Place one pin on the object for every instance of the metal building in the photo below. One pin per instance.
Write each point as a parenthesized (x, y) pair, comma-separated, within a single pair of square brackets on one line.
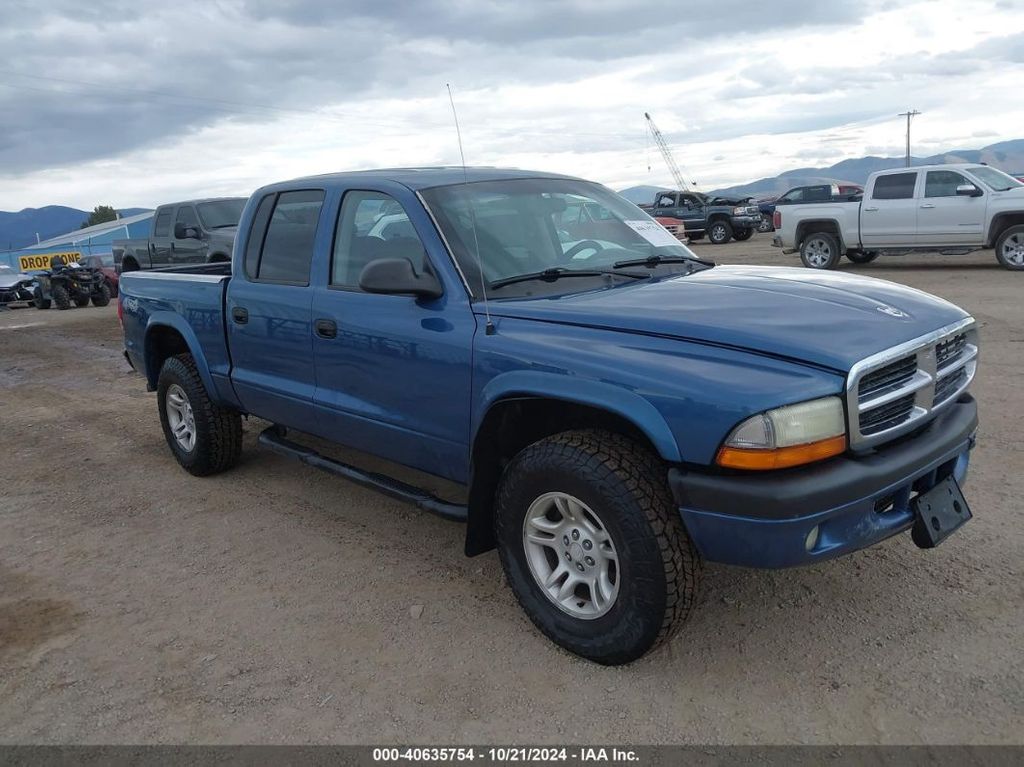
[(91, 241)]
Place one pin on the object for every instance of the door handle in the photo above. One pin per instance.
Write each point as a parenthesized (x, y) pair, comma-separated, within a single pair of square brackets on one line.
[(870, 210), (326, 328), (928, 205), (240, 315)]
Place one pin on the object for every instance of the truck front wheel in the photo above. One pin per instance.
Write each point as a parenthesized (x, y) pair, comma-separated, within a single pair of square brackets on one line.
[(720, 232), (820, 250), (1010, 248), (204, 437), (593, 546)]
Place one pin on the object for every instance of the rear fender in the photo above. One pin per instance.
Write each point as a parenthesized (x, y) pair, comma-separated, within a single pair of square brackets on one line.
[(154, 361)]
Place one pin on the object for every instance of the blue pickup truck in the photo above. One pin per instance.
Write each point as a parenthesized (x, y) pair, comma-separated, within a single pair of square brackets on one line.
[(617, 410)]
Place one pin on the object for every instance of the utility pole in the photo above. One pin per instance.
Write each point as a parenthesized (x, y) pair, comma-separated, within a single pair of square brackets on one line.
[(909, 115)]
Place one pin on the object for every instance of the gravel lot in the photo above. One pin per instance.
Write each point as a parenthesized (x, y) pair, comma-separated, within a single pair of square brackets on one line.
[(277, 604)]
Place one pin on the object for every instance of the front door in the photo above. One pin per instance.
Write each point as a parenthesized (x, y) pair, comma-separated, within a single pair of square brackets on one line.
[(947, 218), (268, 311), (392, 371), (888, 218), (187, 250)]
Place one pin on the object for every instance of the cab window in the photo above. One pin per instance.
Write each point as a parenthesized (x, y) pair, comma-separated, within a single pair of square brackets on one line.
[(895, 186), (943, 183), (372, 225)]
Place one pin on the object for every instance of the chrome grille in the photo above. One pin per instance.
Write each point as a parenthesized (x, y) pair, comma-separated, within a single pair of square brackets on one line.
[(894, 392)]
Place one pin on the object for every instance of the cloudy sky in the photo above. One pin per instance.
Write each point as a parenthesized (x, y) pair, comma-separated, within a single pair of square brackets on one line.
[(136, 102)]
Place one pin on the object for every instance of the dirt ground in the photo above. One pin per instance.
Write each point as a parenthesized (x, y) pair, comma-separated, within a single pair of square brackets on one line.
[(274, 604)]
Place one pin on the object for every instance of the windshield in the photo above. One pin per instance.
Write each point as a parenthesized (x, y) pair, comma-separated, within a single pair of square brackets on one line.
[(527, 226), (994, 179), (221, 213)]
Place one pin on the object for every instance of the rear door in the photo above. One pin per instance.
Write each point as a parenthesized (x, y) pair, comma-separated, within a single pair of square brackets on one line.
[(268, 310), (946, 218), (392, 371), (888, 215), (187, 250), (160, 240)]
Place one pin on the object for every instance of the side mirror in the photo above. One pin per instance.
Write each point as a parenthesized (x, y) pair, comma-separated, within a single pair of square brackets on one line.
[(968, 190), (182, 232), (397, 276)]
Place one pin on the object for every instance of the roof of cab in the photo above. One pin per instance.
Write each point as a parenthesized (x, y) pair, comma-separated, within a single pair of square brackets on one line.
[(422, 178)]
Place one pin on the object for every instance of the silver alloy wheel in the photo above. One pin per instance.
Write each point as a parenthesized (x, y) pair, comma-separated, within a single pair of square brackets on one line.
[(717, 232), (180, 417), (1013, 249), (764, 226), (571, 555), (818, 252)]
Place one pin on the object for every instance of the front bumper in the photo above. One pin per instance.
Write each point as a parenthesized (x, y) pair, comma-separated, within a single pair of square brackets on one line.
[(744, 222), (764, 520)]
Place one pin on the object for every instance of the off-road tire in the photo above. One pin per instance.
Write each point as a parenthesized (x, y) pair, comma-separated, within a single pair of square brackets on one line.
[(861, 258), (81, 301), (740, 235), (719, 232), (820, 250), (1013, 231), (60, 296), (659, 570), (40, 302), (102, 296), (218, 444)]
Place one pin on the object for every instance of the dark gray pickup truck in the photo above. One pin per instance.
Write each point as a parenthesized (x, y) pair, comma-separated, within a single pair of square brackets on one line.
[(190, 232), (720, 218)]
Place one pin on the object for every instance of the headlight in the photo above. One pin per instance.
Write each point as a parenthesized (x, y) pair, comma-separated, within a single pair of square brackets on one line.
[(739, 211), (787, 436)]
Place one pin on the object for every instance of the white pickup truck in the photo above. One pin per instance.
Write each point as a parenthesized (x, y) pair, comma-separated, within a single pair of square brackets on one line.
[(949, 209)]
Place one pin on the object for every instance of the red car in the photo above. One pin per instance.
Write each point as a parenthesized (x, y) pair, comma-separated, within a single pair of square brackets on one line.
[(105, 263)]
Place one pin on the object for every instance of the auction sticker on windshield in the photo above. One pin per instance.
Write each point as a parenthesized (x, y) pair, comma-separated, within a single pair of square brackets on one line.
[(653, 232)]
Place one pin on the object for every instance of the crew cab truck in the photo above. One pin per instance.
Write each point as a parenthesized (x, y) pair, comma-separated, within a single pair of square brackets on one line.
[(617, 410), (720, 218), (191, 232), (950, 209)]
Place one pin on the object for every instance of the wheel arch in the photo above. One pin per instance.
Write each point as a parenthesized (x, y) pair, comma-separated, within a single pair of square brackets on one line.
[(1001, 222), (526, 408), (819, 226), (167, 335)]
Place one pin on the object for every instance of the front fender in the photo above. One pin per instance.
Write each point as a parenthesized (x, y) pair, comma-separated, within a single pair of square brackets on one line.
[(164, 319), (614, 399)]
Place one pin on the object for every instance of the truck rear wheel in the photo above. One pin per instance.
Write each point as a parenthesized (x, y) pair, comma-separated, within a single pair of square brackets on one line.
[(1010, 248), (593, 546), (820, 250), (720, 232), (859, 257), (204, 437)]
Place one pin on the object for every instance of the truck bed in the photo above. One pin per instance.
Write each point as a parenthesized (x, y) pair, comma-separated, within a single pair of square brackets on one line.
[(189, 299)]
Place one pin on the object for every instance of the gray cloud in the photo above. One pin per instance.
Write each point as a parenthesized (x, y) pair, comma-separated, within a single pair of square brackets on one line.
[(86, 81)]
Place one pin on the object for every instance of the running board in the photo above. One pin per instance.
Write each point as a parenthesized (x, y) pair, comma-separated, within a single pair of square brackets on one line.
[(273, 439)]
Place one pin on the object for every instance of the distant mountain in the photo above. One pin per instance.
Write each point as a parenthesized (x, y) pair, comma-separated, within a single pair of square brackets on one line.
[(641, 194), (18, 230), (1006, 155)]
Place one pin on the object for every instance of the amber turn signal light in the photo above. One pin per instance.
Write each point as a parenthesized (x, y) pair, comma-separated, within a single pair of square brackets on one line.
[(780, 457)]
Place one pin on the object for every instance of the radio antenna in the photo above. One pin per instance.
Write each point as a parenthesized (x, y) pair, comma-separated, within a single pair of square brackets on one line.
[(489, 327)]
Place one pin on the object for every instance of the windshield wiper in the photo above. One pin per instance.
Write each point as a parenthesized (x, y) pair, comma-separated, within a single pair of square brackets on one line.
[(556, 272), (652, 261)]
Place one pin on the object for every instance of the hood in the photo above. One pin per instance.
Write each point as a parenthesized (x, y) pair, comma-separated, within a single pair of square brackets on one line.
[(10, 279), (823, 318)]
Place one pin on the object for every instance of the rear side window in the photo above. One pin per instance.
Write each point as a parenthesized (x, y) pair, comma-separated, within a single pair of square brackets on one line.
[(285, 242), (163, 223), (896, 186)]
